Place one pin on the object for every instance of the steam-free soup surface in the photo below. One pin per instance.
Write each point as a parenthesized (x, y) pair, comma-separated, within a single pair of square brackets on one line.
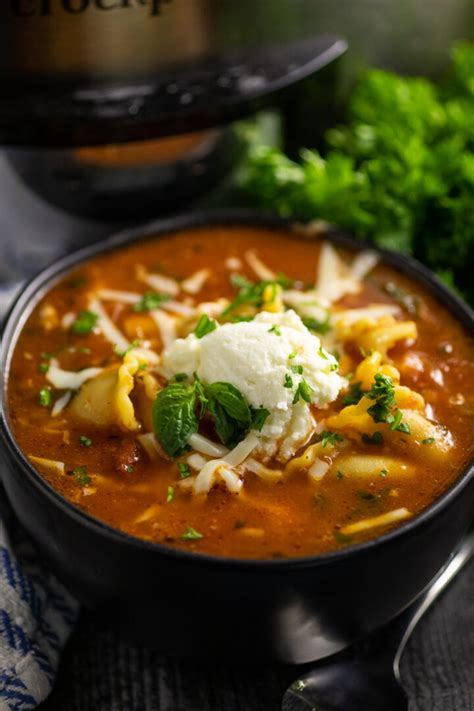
[(347, 475)]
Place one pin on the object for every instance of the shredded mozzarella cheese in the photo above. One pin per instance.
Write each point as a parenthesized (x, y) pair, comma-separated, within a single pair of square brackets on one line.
[(107, 327), (61, 403), (194, 283), (263, 272), (166, 326), (158, 282), (68, 379)]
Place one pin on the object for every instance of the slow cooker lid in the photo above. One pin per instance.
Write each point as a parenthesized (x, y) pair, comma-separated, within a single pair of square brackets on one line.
[(214, 89)]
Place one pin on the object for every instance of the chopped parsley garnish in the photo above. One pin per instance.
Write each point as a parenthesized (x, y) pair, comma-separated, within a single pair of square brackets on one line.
[(288, 381), (428, 440), (250, 293), (375, 438), (47, 356), (242, 319), (169, 494), (321, 327), (184, 470), (179, 378), (383, 473), (191, 534), (303, 391), (43, 367), (151, 300), (259, 417), (292, 355), (85, 322), (384, 408), (354, 395), (45, 397), (330, 437), (204, 326), (129, 468), (297, 369), (367, 496), (323, 353), (143, 366), (122, 353), (85, 441), (275, 329), (81, 476), (339, 474)]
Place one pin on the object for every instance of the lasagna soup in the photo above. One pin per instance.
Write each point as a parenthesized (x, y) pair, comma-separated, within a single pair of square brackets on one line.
[(243, 392)]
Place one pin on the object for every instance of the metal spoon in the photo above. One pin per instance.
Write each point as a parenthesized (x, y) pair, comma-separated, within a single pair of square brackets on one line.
[(368, 677)]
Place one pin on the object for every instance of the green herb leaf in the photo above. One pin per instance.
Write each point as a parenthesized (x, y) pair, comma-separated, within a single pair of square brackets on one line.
[(303, 391), (259, 417), (367, 496), (81, 477), (383, 473), (45, 397), (174, 417), (321, 327), (331, 437), (179, 378), (354, 395), (191, 534), (229, 431), (151, 300), (297, 369), (275, 329), (85, 322), (184, 470), (251, 293), (169, 494), (85, 441), (204, 326), (339, 474), (288, 381), (43, 367), (231, 400), (428, 440), (375, 438)]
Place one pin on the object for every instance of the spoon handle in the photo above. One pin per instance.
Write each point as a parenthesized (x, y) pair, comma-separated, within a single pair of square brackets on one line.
[(385, 647), (457, 561)]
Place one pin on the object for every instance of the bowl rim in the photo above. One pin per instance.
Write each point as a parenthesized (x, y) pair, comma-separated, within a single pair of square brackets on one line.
[(38, 285)]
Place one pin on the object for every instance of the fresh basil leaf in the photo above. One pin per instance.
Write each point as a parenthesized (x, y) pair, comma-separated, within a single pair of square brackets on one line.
[(259, 417), (174, 417), (231, 400), (229, 431)]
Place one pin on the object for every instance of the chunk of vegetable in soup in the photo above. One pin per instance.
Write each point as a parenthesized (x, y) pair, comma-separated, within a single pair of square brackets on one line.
[(243, 392)]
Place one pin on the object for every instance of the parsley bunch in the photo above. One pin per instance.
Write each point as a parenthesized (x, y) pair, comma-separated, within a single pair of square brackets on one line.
[(400, 171)]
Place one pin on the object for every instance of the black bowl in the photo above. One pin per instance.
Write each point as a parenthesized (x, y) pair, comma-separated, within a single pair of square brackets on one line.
[(195, 605)]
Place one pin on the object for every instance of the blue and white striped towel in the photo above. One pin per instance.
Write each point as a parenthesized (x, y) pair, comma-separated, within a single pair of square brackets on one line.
[(36, 617)]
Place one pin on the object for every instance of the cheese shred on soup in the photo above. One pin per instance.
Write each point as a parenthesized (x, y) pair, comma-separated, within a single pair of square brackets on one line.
[(243, 392)]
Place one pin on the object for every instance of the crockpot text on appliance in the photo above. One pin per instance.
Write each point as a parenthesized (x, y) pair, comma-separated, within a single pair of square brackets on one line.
[(35, 8)]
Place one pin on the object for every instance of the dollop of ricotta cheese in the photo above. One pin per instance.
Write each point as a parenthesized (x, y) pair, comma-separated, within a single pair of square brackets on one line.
[(266, 359)]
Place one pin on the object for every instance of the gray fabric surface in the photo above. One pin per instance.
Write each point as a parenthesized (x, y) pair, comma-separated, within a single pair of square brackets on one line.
[(100, 672)]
